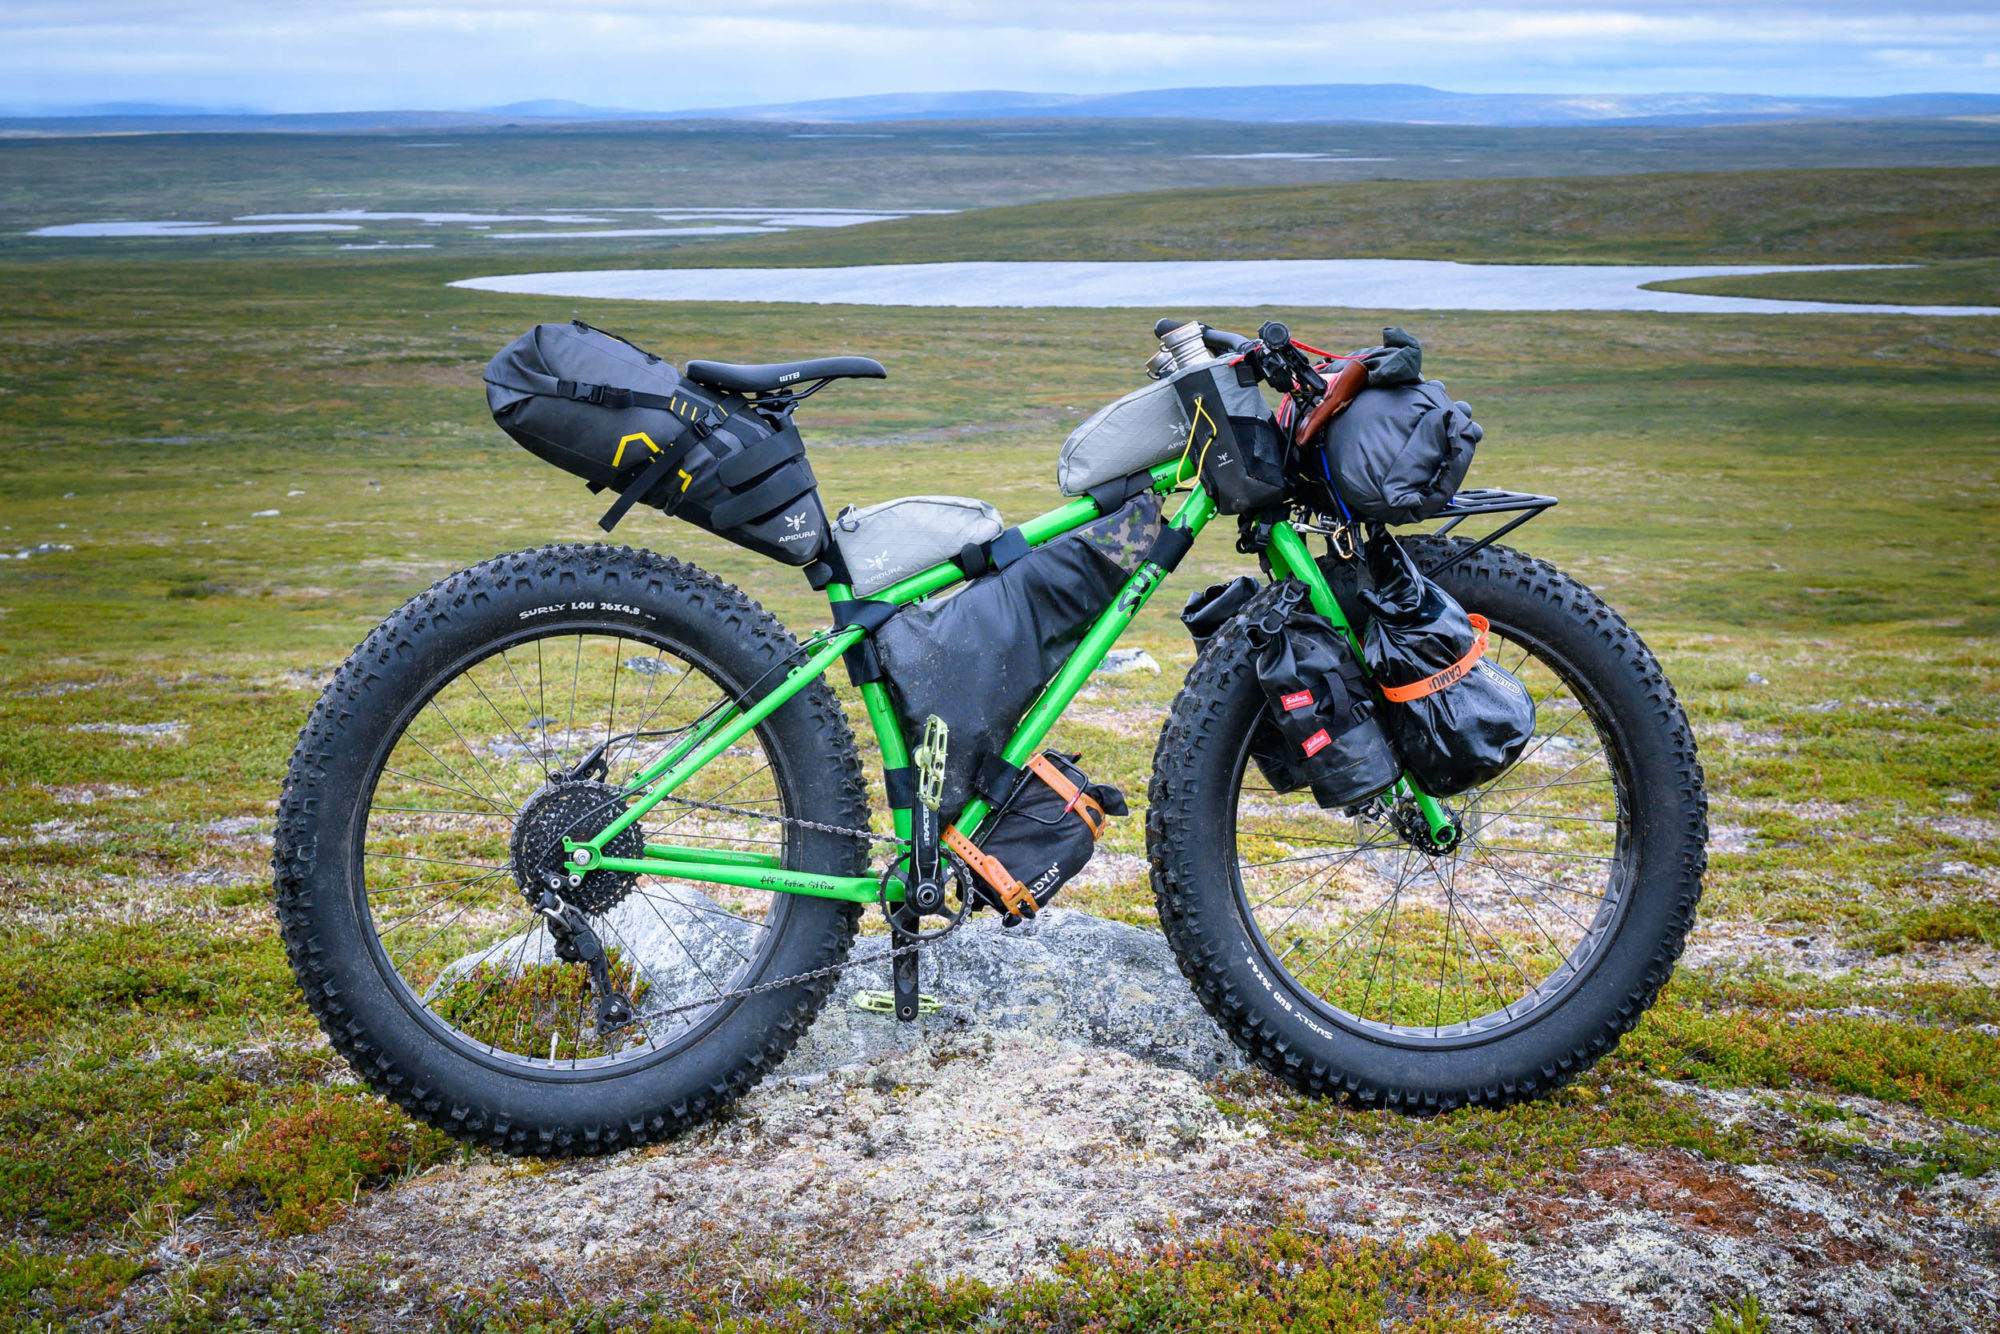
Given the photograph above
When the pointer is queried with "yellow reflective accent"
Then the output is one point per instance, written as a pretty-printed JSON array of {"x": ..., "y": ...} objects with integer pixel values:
[
  {"x": 619, "y": 457},
  {"x": 686, "y": 481}
]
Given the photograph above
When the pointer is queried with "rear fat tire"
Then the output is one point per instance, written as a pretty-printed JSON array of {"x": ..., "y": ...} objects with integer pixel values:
[
  {"x": 369, "y": 1017},
  {"x": 1194, "y": 869}
]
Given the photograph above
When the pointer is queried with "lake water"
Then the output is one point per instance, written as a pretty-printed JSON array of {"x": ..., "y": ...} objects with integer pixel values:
[
  {"x": 1363, "y": 284},
  {"x": 573, "y": 225}
]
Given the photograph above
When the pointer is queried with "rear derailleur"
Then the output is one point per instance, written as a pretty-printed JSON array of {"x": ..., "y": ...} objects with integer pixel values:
[{"x": 575, "y": 942}]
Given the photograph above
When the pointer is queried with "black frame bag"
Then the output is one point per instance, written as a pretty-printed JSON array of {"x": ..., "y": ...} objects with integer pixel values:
[
  {"x": 623, "y": 419},
  {"x": 1456, "y": 719},
  {"x": 1232, "y": 441},
  {"x": 1321, "y": 703},
  {"x": 1047, "y": 829},
  {"x": 979, "y": 658}
]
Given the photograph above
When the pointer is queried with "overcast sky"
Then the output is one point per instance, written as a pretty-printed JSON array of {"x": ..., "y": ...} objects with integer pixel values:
[{"x": 654, "y": 55}]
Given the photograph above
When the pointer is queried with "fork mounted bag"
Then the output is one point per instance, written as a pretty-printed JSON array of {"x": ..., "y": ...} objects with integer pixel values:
[
  {"x": 1456, "y": 718},
  {"x": 1205, "y": 615},
  {"x": 1320, "y": 702},
  {"x": 624, "y": 420},
  {"x": 1045, "y": 832},
  {"x": 977, "y": 659}
]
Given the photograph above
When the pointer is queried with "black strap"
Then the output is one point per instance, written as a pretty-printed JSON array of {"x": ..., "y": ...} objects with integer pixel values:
[
  {"x": 1170, "y": 546},
  {"x": 869, "y": 615},
  {"x": 901, "y": 786},
  {"x": 701, "y": 416},
  {"x": 634, "y": 491},
  {"x": 830, "y": 568},
  {"x": 976, "y": 558},
  {"x": 864, "y": 664},
  {"x": 772, "y": 494},
  {"x": 1007, "y": 548},
  {"x": 995, "y": 779},
  {"x": 760, "y": 457},
  {"x": 1110, "y": 495}
]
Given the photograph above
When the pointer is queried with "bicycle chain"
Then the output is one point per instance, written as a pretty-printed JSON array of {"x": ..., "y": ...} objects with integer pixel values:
[
  {"x": 814, "y": 825},
  {"x": 831, "y": 970}
]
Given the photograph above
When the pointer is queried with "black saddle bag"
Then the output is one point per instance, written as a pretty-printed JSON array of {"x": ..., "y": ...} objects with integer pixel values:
[
  {"x": 1320, "y": 703},
  {"x": 978, "y": 659},
  {"x": 623, "y": 419},
  {"x": 1045, "y": 833},
  {"x": 1456, "y": 719},
  {"x": 1233, "y": 441}
]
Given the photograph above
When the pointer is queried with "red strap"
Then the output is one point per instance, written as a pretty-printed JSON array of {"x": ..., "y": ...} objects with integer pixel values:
[{"x": 1451, "y": 675}]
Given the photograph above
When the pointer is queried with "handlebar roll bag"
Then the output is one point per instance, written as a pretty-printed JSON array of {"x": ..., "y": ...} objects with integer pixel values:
[
  {"x": 624, "y": 420},
  {"x": 1398, "y": 454},
  {"x": 977, "y": 658}
]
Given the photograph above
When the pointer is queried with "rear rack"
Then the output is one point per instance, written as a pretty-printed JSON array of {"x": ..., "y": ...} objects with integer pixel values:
[{"x": 1524, "y": 505}]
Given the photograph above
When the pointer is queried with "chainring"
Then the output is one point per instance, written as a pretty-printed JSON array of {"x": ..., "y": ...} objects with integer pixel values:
[{"x": 575, "y": 809}]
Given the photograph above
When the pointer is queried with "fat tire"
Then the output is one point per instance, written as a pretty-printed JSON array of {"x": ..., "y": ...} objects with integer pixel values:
[
  {"x": 1191, "y": 851},
  {"x": 320, "y": 810}
]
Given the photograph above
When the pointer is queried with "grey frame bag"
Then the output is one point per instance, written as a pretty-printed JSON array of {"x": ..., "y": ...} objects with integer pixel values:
[{"x": 624, "y": 420}]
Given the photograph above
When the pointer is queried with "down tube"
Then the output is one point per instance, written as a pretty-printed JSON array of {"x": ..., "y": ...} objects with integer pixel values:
[{"x": 1104, "y": 631}]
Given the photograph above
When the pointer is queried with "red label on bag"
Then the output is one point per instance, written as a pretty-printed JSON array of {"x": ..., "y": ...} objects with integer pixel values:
[
  {"x": 1298, "y": 699},
  {"x": 1317, "y": 742}
]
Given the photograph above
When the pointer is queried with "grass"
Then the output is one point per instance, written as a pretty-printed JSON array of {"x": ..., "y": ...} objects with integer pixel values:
[
  {"x": 1795, "y": 511},
  {"x": 1798, "y": 217}
]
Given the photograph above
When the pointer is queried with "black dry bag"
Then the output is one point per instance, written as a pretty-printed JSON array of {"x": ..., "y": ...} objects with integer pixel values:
[
  {"x": 1205, "y": 615},
  {"x": 1320, "y": 703},
  {"x": 621, "y": 418},
  {"x": 1456, "y": 719},
  {"x": 1046, "y": 831}
]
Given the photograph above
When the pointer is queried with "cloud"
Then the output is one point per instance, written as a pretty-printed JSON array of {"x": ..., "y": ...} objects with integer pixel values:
[{"x": 663, "y": 56}]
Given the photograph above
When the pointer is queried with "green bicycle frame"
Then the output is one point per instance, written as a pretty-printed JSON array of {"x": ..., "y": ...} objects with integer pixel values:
[{"x": 658, "y": 780}]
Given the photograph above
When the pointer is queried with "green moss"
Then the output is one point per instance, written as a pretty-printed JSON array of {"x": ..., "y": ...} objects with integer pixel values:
[
  {"x": 300, "y": 1169},
  {"x": 1948, "y": 1072},
  {"x": 1538, "y": 1143}
]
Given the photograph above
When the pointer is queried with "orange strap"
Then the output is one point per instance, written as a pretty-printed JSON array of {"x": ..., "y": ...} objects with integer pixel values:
[
  {"x": 1451, "y": 675},
  {"x": 989, "y": 868},
  {"x": 1011, "y": 891},
  {"x": 1074, "y": 798}
]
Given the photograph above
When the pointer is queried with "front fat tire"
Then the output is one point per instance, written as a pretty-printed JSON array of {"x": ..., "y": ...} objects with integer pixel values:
[
  {"x": 1279, "y": 1025},
  {"x": 328, "y": 939}
]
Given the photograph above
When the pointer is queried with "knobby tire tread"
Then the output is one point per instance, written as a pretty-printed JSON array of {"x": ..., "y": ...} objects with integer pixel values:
[
  {"x": 1183, "y": 814},
  {"x": 307, "y": 813}
]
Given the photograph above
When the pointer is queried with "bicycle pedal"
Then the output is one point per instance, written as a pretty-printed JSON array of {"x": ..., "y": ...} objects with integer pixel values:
[{"x": 884, "y": 1002}]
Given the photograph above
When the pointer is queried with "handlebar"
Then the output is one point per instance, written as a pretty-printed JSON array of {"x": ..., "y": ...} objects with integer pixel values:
[
  {"x": 1218, "y": 341},
  {"x": 1281, "y": 364}
]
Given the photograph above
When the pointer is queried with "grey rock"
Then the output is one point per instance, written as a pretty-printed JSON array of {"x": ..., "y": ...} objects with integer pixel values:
[{"x": 1066, "y": 975}]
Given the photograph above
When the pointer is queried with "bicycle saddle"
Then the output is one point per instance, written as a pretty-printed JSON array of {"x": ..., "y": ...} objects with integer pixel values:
[{"x": 763, "y": 379}]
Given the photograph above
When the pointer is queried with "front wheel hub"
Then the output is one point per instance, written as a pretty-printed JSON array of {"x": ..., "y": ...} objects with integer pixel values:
[{"x": 573, "y": 810}]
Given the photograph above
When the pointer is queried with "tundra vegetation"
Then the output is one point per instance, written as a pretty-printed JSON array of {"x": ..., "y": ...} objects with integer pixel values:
[{"x": 224, "y": 459}]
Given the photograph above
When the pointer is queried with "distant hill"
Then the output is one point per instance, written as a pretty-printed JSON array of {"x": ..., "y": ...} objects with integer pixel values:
[{"x": 1388, "y": 103}]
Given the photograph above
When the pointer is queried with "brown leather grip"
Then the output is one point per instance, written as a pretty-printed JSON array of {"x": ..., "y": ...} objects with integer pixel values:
[{"x": 1340, "y": 391}]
